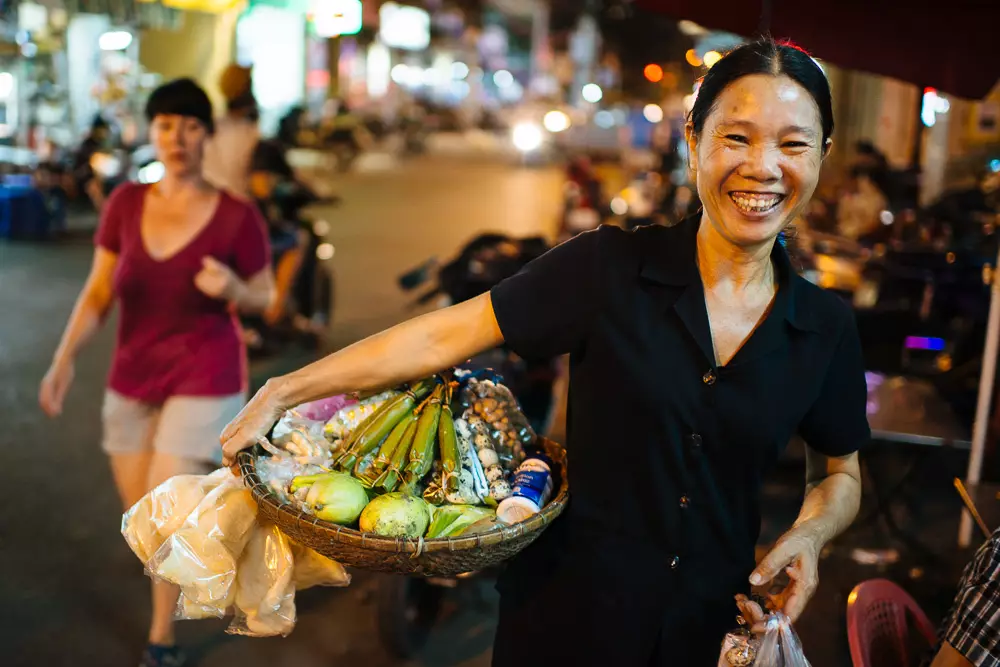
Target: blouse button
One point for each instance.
(685, 502)
(709, 378)
(674, 562)
(695, 440)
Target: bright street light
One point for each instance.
(592, 93)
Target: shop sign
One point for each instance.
(404, 27)
(331, 18)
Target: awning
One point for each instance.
(948, 45)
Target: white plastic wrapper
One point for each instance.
(300, 436)
(201, 533)
(278, 473)
(265, 588)
(347, 419)
(148, 523)
(201, 555)
(779, 646)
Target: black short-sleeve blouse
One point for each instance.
(665, 447)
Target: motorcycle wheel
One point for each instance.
(407, 608)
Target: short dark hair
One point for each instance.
(764, 56)
(181, 97)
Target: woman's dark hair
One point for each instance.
(764, 56)
(182, 97)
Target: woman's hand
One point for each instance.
(254, 421)
(55, 384)
(218, 281)
(797, 555)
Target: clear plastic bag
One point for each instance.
(495, 405)
(202, 533)
(148, 523)
(279, 471)
(779, 646)
(265, 587)
(325, 408)
(349, 417)
(202, 554)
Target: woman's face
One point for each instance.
(757, 158)
(179, 142)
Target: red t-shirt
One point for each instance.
(172, 339)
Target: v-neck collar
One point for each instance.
(145, 192)
(669, 258)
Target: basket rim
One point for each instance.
(263, 495)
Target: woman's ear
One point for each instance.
(827, 147)
(691, 137)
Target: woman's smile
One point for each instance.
(756, 205)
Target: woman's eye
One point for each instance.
(737, 137)
(795, 144)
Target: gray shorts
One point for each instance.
(183, 426)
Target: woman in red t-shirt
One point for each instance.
(180, 257)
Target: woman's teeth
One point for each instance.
(755, 203)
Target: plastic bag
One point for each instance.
(778, 647)
(313, 569)
(325, 408)
(148, 523)
(279, 471)
(202, 533)
(495, 405)
(201, 555)
(301, 437)
(265, 589)
(348, 418)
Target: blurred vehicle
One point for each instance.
(300, 255)
(408, 607)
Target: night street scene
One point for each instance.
(457, 333)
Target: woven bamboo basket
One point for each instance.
(440, 557)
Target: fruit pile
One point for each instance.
(401, 464)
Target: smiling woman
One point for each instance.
(718, 352)
(758, 132)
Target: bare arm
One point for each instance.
(410, 350)
(91, 307)
(256, 294)
(413, 349)
(833, 496)
(88, 314)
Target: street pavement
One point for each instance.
(73, 593)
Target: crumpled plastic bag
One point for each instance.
(148, 523)
(323, 409)
(300, 436)
(201, 555)
(202, 533)
(779, 646)
(265, 590)
(495, 406)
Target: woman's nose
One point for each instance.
(762, 164)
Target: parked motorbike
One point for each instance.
(311, 308)
(407, 607)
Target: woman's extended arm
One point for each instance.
(88, 314)
(411, 350)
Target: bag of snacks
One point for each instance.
(779, 646)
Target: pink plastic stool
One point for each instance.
(877, 628)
